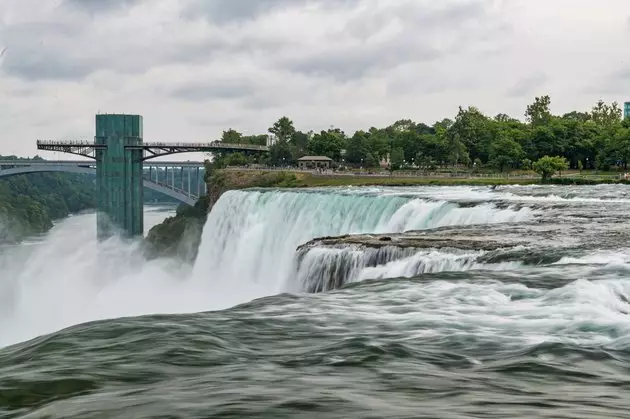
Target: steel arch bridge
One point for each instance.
(186, 195)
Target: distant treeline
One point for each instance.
(30, 203)
(594, 139)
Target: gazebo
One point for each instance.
(314, 162)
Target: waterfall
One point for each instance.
(250, 237)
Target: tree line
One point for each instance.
(30, 203)
(595, 139)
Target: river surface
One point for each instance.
(540, 329)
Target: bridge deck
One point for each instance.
(15, 163)
(150, 150)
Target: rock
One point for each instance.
(416, 239)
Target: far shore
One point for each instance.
(291, 178)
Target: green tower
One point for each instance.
(119, 180)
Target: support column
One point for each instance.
(198, 185)
(119, 175)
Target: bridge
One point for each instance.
(158, 176)
(119, 155)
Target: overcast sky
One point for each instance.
(193, 68)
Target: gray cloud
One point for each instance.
(527, 85)
(233, 11)
(196, 67)
(422, 34)
(612, 83)
(214, 89)
(94, 7)
(33, 53)
(351, 63)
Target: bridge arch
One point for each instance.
(87, 169)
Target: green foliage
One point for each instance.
(328, 143)
(504, 152)
(283, 129)
(397, 158)
(357, 150)
(30, 203)
(546, 166)
(179, 235)
(595, 139)
(539, 113)
(232, 136)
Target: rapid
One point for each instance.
(262, 326)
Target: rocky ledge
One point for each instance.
(416, 240)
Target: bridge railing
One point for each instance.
(73, 143)
(212, 144)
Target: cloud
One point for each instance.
(193, 68)
(527, 85)
(223, 12)
(220, 89)
(100, 6)
(374, 41)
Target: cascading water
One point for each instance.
(320, 269)
(248, 250)
(547, 314)
(250, 238)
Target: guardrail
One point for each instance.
(212, 144)
(462, 175)
(215, 144)
(186, 164)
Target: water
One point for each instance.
(540, 329)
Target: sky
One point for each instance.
(194, 68)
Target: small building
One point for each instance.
(626, 110)
(314, 162)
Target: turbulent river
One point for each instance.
(258, 328)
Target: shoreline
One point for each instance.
(291, 179)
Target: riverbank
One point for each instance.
(179, 236)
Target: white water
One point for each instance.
(247, 250)
(250, 237)
(318, 267)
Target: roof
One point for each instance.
(314, 158)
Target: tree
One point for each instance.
(396, 159)
(546, 166)
(328, 143)
(357, 150)
(236, 159)
(504, 152)
(300, 141)
(606, 115)
(539, 112)
(259, 139)
(283, 129)
(469, 136)
(371, 161)
(232, 136)
(280, 154)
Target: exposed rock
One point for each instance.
(416, 239)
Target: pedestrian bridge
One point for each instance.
(159, 176)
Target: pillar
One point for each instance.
(119, 175)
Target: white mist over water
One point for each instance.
(247, 251)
